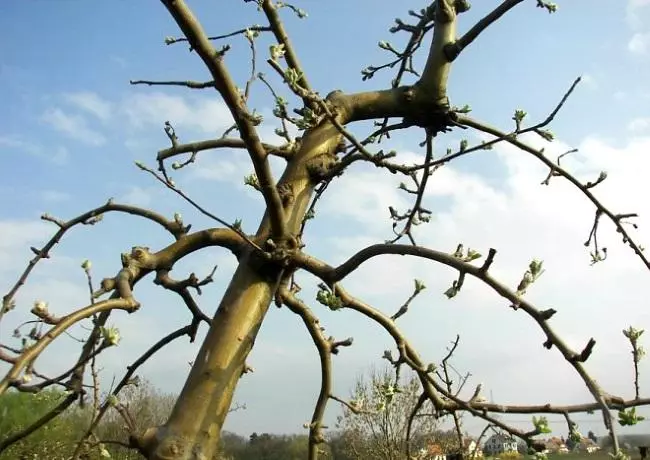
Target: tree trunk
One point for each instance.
(194, 427)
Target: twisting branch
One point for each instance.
(91, 217)
(181, 288)
(136, 265)
(332, 275)
(29, 355)
(407, 354)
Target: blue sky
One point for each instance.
(71, 127)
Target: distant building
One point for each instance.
(499, 443)
(471, 449)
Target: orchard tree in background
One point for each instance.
(376, 422)
(389, 417)
(270, 257)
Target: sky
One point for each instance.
(72, 126)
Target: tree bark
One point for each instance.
(194, 427)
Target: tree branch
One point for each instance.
(324, 347)
(194, 147)
(332, 275)
(88, 218)
(433, 82)
(559, 171)
(30, 354)
(454, 49)
(186, 84)
(186, 330)
(226, 87)
(289, 54)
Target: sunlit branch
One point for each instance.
(228, 90)
(31, 353)
(181, 288)
(88, 218)
(199, 146)
(433, 82)
(433, 391)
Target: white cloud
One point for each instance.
(52, 196)
(639, 43)
(205, 115)
(73, 126)
(91, 103)
(639, 124)
(635, 11)
(57, 154)
(20, 233)
(141, 147)
(366, 197)
(139, 196)
(229, 166)
(522, 220)
(17, 237)
(119, 61)
(634, 4)
(589, 81)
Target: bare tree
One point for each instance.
(270, 257)
(377, 422)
